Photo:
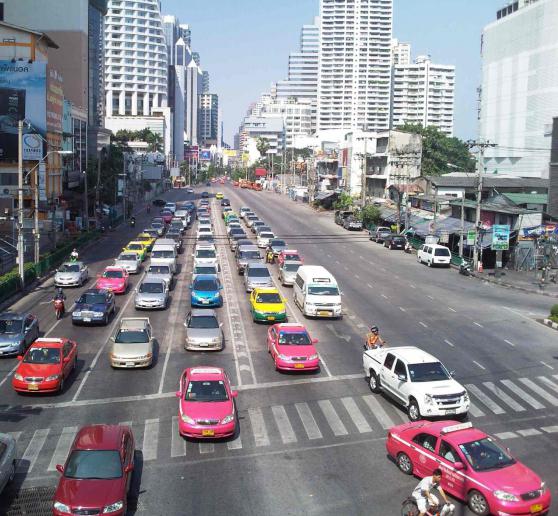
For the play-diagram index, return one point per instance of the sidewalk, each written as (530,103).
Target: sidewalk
(520,280)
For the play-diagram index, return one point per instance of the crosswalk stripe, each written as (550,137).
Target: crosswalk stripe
(32,451)
(178,444)
(283,424)
(206,447)
(356,415)
(258,427)
(528,432)
(150,439)
(540,391)
(506,435)
(508,400)
(475,411)
(527,398)
(333,420)
(378,411)
(488,402)
(236,444)
(550,429)
(548,383)
(308,421)
(63,447)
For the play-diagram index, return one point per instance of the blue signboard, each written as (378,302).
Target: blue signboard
(500,237)
(205,155)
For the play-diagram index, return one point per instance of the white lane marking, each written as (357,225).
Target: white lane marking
(357,276)
(508,400)
(478,324)
(345,267)
(333,420)
(402,309)
(62,447)
(475,411)
(550,429)
(236,444)
(308,421)
(541,392)
(384,296)
(337,262)
(369,286)
(423,324)
(510,343)
(15,435)
(451,309)
(430,297)
(324,365)
(449,343)
(555,376)
(258,427)
(150,439)
(488,402)
(383,269)
(356,415)
(549,383)
(31,453)
(328,255)
(378,411)
(9,374)
(479,365)
(411,285)
(361,257)
(206,447)
(528,432)
(178,444)
(546,365)
(522,394)
(283,424)
(506,435)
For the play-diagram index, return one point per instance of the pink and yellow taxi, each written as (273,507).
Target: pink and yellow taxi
(289,255)
(292,348)
(206,408)
(476,468)
(115,279)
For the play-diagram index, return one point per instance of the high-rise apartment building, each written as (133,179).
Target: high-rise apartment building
(193,86)
(171,30)
(423,93)
(354,66)
(519,91)
(135,60)
(185,33)
(401,52)
(208,119)
(205,82)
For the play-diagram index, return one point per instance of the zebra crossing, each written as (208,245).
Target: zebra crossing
(299,423)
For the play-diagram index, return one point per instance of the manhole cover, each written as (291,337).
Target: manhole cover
(35,501)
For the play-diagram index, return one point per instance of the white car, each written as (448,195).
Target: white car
(263,239)
(205,256)
(71,274)
(204,230)
(170,206)
(417,380)
(129,261)
(434,254)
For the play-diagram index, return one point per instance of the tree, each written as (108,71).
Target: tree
(262,145)
(370,214)
(438,150)
(344,202)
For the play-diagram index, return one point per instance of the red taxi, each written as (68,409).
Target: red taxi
(476,468)
(287,255)
(206,408)
(45,366)
(292,348)
(115,279)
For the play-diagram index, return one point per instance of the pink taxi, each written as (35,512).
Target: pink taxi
(115,279)
(287,255)
(206,408)
(291,348)
(476,468)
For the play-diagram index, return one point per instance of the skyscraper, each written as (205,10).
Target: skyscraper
(354,66)
(193,89)
(208,119)
(205,82)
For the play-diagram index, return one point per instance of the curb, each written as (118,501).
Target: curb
(514,287)
(550,324)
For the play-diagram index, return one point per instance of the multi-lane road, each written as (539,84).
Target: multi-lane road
(311,443)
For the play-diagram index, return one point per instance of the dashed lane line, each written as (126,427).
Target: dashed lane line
(479,365)
(449,343)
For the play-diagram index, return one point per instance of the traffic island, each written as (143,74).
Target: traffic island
(550,323)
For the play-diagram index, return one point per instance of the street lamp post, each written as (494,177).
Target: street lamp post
(20,244)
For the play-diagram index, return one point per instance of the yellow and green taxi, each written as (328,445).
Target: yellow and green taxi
(136,247)
(147,240)
(219,195)
(230,215)
(267,304)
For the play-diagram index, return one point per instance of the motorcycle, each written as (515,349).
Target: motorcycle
(59,308)
(410,508)
(408,248)
(465,268)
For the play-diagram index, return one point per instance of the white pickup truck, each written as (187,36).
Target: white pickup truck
(416,380)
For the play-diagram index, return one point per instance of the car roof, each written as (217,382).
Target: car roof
(290,327)
(12,316)
(203,312)
(152,279)
(452,431)
(202,277)
(48,343)
(412,354)
(205,373)
(134,323)
(99,437)
(267,290)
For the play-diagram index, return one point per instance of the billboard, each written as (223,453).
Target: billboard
(54,100)
(261,172)
(22,96)
(500,237)
(205,155)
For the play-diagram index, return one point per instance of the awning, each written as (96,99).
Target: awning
(324,195)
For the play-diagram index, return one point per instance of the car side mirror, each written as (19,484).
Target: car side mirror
(191,286)
(401,377)
(234,394)
(20,357)
(129,468)
(60,468)
(315,341)
(66,360)
(452,373)
(178,394)
(459,466)
(220,287)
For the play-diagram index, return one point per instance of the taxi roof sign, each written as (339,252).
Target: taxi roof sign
(205,370)
(456,428)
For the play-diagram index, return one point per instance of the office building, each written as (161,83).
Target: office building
(208,119)
(205,82)
(193,87)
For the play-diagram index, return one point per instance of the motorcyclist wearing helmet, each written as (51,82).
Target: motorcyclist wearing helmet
(59,294)
(373,339)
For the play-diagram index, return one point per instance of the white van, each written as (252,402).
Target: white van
(434,254)
(164,253)
(184,216)
(316,292)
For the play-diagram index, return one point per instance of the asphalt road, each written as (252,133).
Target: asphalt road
(311,443)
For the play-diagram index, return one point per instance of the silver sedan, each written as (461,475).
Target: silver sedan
(152,294)
(203,331)
(129,261)
(71,274)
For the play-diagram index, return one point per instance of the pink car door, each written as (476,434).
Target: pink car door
(453,481)
(423,454)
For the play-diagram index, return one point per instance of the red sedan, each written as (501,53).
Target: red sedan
(292,348)
(167,216)
(115,279)
(97,475)
(45,366)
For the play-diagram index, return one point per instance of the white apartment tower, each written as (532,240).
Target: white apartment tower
(423,93)
(135,59)
(354,66)
(401,52)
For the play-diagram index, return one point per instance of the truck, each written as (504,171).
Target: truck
(416,380)
(341,215)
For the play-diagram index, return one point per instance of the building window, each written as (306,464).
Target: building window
(128,105)
(1,11)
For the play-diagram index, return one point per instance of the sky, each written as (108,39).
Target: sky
(245,45)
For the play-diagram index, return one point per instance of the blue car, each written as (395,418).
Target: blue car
(94,306)
(206,291)
(17,332)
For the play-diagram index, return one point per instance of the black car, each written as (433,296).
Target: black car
(159,202)
(208,183)
(225,202)
(94,306)
(394,242)
(205,195)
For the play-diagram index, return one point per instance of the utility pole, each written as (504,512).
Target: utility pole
(20,243)
(37,236)
(86,204)
(462,225)
(363,185)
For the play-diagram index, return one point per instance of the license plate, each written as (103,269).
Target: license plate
(536,508)
(271,318)
(208,433)
(32,387)
(323,313)
(451,411)
(87,319)
(299,366)
(205,301)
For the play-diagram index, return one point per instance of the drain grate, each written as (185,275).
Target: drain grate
(34,501)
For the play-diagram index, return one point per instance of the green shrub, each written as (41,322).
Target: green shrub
(554,310)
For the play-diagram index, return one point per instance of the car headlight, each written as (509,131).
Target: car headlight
(309,305)
(17,376)
(113,507)
(313,357)
(543,487)
(506,497)
(428,399)
(282,357)
(62,507)
(466,397)
(187,419)
(227,419)
(53,377)
(216,340)
(98,314)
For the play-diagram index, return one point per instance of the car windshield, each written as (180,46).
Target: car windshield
(204,229)
(200,269)
(250,255)
(93,464)
(266,235)
(442,252)
(162,254)
(429,372)
(135,247)
(278,243)
(237,231)
(92,299)
(205,253)
(291,267)
(205,322)
(42,356)
(131,336)
(10,326)
(268,297)
(206,391)
(151,288)
(158,269)
(128,257)
(157,224)
(485,454)
(291,257)
(69,267)
(323,290)
(113,274)
(258,273)
(206,285)
(294,339)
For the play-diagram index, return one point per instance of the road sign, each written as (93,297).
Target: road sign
(500,237)
(471,237)
(444,236)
